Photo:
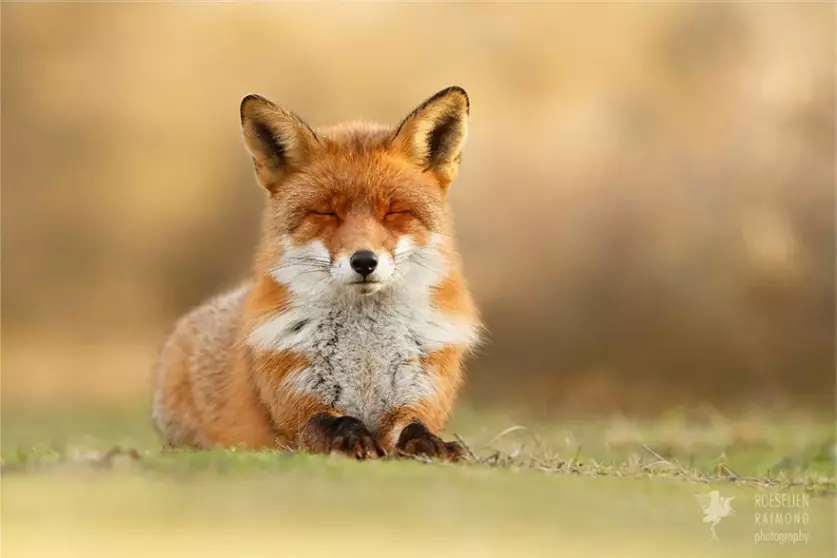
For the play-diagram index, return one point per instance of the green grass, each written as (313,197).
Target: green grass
(591,488)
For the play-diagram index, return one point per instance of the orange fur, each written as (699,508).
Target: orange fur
(350,187)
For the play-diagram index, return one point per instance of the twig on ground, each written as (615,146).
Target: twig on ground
(471,453)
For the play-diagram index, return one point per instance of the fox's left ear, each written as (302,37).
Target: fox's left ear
(433,134)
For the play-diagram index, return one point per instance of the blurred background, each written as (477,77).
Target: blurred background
(645,206)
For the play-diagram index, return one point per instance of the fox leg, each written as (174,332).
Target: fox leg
(310,424)
(416,439)
(409,431)
(305,421)
(327,432)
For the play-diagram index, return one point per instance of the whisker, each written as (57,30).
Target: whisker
(317,265)
(425,266)
(307,260)
(418,261)
(310,271)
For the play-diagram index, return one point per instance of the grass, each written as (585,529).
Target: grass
(592,488)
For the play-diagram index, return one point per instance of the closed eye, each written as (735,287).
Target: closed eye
(405,212)
(323,213)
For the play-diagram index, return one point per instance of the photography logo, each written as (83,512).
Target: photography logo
(715,508)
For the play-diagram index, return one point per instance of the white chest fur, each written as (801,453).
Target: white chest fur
(365,353)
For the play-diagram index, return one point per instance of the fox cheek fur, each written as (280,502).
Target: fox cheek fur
(350,334)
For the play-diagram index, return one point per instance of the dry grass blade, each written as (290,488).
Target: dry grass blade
(726,471)
(508,430)
(676,466)
(654,464)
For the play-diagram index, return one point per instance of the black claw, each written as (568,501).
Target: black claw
(416,439)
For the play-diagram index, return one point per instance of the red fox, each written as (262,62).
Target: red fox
(350,335)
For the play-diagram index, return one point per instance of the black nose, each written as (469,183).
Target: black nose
(364,262)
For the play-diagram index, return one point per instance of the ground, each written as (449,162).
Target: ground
(94,483)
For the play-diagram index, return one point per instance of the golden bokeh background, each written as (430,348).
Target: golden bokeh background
(645,205)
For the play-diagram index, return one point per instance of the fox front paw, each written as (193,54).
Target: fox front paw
(416,439)
(347,436)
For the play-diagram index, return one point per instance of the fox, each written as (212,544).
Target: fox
(350,334)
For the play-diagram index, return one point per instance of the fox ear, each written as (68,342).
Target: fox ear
(278,141)
(433,134)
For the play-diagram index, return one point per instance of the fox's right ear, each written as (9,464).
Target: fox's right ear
(278,140)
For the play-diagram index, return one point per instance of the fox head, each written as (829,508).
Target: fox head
(358,208)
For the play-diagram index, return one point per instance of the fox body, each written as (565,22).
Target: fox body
(350,334)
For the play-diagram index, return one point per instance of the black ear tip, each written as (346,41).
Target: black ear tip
(252,100)
(457,90)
